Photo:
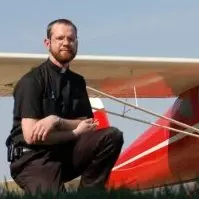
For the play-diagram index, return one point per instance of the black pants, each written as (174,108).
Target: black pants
(92,156)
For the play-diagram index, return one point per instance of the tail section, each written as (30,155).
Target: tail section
(100,113)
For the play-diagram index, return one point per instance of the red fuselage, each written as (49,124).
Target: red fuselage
(160,156)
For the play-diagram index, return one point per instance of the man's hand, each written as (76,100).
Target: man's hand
(43,127)
(85,126)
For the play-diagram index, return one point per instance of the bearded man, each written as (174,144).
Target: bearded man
(53,139)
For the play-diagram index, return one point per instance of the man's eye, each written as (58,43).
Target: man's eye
(71,39)
(60,38)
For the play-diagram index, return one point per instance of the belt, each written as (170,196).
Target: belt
(16,152)
(26,149)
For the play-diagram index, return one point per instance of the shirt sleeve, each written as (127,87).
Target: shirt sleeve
(28,98)
(84,108)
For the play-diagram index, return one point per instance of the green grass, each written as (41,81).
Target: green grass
(164,193)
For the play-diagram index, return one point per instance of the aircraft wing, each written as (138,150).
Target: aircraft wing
(117,76)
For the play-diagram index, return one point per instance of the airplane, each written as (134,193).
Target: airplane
(166,153)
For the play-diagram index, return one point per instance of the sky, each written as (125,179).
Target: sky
(126,28)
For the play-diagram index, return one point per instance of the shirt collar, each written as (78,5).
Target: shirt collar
(55,67)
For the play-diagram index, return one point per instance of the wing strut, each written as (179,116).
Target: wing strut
(144,110)
(150,123)
(124,109)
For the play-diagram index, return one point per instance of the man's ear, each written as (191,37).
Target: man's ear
(47,43)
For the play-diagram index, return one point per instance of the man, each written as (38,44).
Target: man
(54,137)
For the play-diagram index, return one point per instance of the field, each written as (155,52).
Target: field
(11,191)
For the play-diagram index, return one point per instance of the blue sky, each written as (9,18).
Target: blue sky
(139,28)
(129,28)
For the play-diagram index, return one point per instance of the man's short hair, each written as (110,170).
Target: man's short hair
(60,21)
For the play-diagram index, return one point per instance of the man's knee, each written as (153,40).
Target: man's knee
(116,136)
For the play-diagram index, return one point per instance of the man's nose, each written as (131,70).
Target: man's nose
(65,41)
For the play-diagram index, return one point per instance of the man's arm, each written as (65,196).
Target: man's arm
(44,127)
(28,104)
(67,124)
(56,137)
(38,129)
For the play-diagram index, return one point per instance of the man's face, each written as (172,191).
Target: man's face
(63,43)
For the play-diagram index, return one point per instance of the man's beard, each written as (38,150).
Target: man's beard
(63,57)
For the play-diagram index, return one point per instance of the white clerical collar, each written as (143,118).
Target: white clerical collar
(63,70)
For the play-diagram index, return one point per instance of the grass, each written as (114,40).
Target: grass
(11,191)
(11,186)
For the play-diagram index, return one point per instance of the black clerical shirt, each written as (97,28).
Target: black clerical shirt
(47,90)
